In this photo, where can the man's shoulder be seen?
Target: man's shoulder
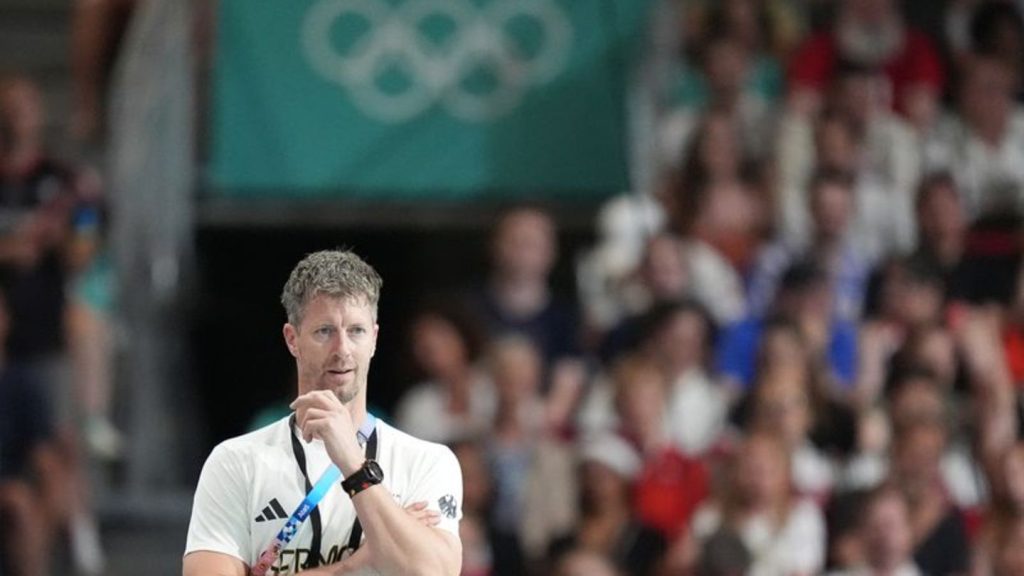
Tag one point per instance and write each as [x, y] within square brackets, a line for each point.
[256, 441]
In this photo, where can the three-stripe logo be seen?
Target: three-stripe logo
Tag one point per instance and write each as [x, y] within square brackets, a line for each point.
[272, 511]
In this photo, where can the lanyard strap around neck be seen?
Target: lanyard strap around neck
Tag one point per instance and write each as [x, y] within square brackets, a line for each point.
[367, 435]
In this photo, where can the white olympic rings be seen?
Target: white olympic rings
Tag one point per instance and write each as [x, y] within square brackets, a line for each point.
[436, 72]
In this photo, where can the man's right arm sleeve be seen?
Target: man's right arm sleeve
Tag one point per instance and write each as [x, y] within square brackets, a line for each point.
[220, 513]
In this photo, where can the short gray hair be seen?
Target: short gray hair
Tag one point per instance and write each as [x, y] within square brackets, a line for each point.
[334, 273]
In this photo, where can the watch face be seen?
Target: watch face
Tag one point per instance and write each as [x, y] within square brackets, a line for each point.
[373, 472]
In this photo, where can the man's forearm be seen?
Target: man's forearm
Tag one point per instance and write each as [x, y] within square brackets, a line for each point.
[398, 543]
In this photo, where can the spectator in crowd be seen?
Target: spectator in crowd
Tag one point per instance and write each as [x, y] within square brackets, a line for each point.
[678, 339]
[939, 535]
[831, 205]
[941, 223]
[477, 556]
[983, 144]
[870, 33]
[670, 485]
[905, 295]
[886, 536]
[996, 29]
[625, 225]
[532, 468]
[730, 79]
[517, 299]
[858, 135]
[774, 27]
[608, 525]
[661, 277]
[783, 409]
[456, 400]
[803, 298]
[785, 534]
[718, 198]
[39, 197]
[30, 495]
[515, 367]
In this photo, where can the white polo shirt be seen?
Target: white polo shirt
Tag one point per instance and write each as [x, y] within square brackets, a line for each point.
[252, 483]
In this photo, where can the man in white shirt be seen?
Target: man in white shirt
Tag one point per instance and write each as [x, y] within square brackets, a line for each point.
[983, 144]
[251, 483]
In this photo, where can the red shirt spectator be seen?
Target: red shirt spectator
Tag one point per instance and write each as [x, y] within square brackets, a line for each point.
[916, 65]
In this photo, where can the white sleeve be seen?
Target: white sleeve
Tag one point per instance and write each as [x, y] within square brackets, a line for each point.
[806, 540]
[220, 516]
[438, 481]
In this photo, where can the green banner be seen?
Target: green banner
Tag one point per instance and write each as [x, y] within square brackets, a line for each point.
[422, 98]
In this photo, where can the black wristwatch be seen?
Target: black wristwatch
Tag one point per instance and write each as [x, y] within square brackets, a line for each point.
[368, 475]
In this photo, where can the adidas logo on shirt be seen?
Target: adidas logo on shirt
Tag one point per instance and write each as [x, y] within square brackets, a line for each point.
[273, 511]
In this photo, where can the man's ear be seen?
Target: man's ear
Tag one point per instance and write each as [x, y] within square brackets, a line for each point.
[291, 337]
[376, 331]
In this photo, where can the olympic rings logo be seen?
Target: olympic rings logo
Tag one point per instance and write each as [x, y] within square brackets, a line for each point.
[436, 72]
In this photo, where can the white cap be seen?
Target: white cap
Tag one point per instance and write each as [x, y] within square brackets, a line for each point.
[613, 451]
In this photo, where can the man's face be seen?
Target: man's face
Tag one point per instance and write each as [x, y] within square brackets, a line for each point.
[333, 345]
[886, 532]
[525, 246]
[831, 207]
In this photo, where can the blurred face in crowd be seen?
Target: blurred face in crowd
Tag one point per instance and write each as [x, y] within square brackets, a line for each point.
[886, 532]
[837, 146]
[743, 21]
[782, 406]
[831, 208]
[860, 95]
[813, 302]
[726, 67]
[917, 455]
[782, 349]
[916, 402]
[525, 245]
[438, 347]
[910, 301]
[664, 272]
[640, 398]
[679, 345]
[762, 472]
[986, 96]
[940, 213]
[516, 370]
[602, 486]
[869, 11]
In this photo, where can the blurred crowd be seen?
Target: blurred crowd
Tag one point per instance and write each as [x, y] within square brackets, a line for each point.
[57, 294]
[802, 353]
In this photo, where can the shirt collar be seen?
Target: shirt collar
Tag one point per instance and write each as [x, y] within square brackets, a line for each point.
[366, 430]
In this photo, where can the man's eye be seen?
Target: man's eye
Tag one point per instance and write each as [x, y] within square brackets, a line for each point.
[357, 330]
[324, 331]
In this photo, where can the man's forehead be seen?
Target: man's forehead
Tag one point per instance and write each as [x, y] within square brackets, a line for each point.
[348, 302]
